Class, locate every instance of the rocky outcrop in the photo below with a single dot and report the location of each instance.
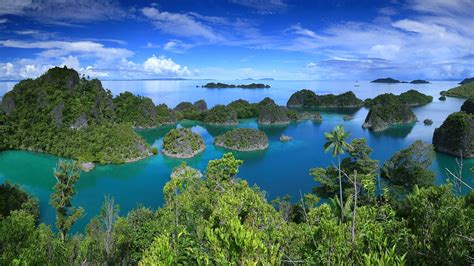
(200, 105)
(285, 138)
(301, 116)
(182, 143)
(8, 104)
(381, 117)
(80, 122)
(456, 135)
(242, 139)
(428, 122)
(309, 99)
(468, 106)
(57, 114)
(269, 113)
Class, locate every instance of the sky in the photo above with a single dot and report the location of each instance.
(237, 39)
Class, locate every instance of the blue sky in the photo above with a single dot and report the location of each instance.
(235, 39)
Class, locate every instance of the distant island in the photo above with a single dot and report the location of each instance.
(465, 90)
(386, 80)
(419, 81)
(243, 139)
(218, 85)
(467, 80)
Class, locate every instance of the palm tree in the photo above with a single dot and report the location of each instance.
(336, 141)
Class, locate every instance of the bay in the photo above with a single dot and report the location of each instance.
(279, 170)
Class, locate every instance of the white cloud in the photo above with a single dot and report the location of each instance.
(3, 20)
(180, 24)
(387, 51)
(163, 66)
(263, 6)
(71, 62)
(176, 46)
(63, 12)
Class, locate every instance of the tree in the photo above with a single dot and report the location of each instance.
(66, 174)
(109, 215)
(409, 167)
(336, 141)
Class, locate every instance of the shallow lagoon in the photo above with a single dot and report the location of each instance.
(279, 170)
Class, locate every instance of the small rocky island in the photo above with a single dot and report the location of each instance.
(182, 143)
(218, 85)
(242, 139)
(221, 115)
(269, 113)
(410, 98)
(419, 81)
(386, 80)
(428, 122)
(309, 99)
(456, 135)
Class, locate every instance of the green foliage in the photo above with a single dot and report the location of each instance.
(66, 174)
(468, 106)
(13, 198)
(409, 167)
(336, 141)
(455, 135)
(309, 99)
(463, 91)
(243, 109)
(415, 98)
(182, 143)
(243, 139)
(221, 115)
(219, 85)
(387, 109)
(59, 113)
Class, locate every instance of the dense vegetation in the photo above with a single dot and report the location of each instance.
(456, 135)
(269, 113)
(182, 143)
(382, 116)
(465, 90)
(219, 85)
(62, 114)
(220, 219)
(468, 106)
(13, 198)
(221, 115)
(386, 80)
(308, 99)
(410, 97)
(141, 112)
(242, 139)
(243, 108)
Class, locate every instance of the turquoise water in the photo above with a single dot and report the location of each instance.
(279, 170)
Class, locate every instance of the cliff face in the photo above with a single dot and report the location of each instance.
(468, 106)
(309, 99)
(456, 135)
(380, 117)
(270, 113)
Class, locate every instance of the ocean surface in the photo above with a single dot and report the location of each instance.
(281, 169)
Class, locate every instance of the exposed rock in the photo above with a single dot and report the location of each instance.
(347, 117)
(187, 171)
(80, 122)
(200, 105)
(184, 106)
(284, 138)
(63, 77)
(243, 139)
(8, 104)
(300, 116)
(272, 114)
(456, 135)
(86, 167)
(57, 114)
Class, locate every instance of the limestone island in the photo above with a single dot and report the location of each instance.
(285, 138)
(410, 98)
(308, 99)
(386, 110)
(219, 85)
(65, 115)
(442, 98)
(242, 139)
(419, 81)
(221, 115)
(468, 106)
(465, 90)
(456, 135)
(386, 80)
(301, 116)
(182, 143)
(428, 122)
(269, 113)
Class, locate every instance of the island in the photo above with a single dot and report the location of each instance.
(301, 116)
(182, 143)
(442, 98)
(243, 109)
(309, 99)
(428, 122)
(187, 110)
(456, 135)
(221, 115)
(218, 85)
(467, 80)
(64, 115)
(269, 113)
(200, 105)
(382, 116)
(410, 98)
(285, 138)
(465, 90)
(386, 80)
(141, 112)
(419, 81)
(242, 139)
